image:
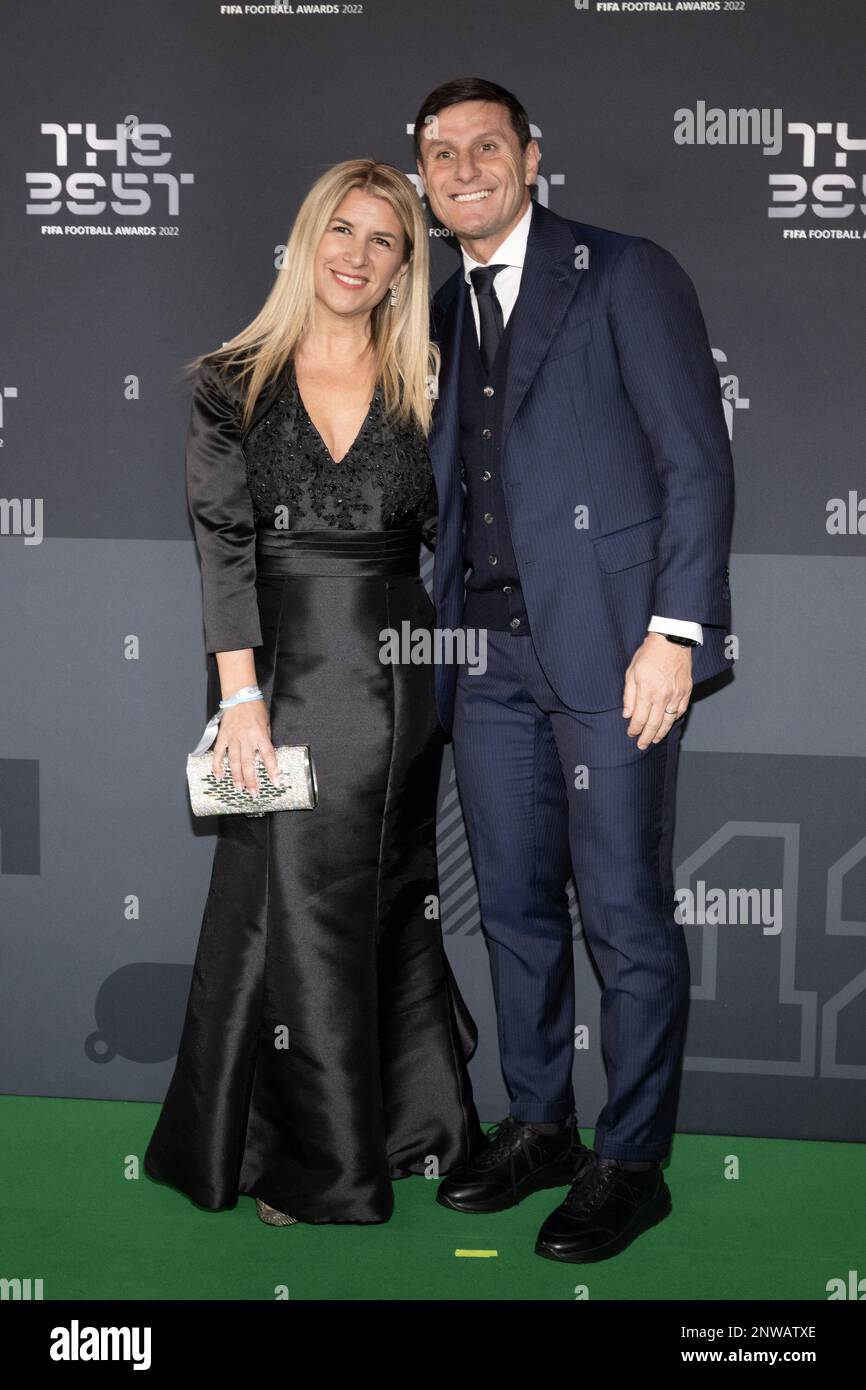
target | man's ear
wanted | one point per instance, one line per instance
(420, 168)
(532, 159)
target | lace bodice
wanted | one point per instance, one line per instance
(383, 482)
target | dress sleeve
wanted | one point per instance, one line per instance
(222, 515)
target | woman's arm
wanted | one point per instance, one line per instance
(224, 527)
(222, 515)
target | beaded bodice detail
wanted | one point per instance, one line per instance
(383, 482)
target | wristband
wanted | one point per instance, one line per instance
(240, 697)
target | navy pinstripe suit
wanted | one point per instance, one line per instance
(611, 404)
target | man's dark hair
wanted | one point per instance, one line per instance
(472, 89)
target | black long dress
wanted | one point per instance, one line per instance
(325, 1041)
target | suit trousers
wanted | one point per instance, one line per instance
(546, 791)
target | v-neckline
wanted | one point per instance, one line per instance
(337, 463)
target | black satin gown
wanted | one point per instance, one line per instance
(325, 1041)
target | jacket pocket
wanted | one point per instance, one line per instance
(632, 546)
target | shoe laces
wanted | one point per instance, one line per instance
(504, 1139)
(591, 1183)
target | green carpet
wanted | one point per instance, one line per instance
(792, 1220)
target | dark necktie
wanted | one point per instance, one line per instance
(489, 311)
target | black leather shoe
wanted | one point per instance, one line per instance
(516, 1161)
(607, 1207)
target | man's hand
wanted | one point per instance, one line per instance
(658, 679)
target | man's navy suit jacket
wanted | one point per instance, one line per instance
(612, 404)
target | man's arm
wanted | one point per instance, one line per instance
(670, 376)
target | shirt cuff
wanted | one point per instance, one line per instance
(677, 627)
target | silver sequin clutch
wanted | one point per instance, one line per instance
(212, 797)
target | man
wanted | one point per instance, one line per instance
(585, 489)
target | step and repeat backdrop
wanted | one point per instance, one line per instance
(153, 157)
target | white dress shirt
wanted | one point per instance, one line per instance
(506, 283)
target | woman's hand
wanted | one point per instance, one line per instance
(243, 729)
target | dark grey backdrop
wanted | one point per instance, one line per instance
(104, 874)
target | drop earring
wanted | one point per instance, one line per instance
(393, 296)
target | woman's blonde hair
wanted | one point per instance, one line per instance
(406, 361)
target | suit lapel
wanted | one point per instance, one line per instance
(443, 438)
(547, 286)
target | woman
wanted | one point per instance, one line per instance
(325, 1042)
